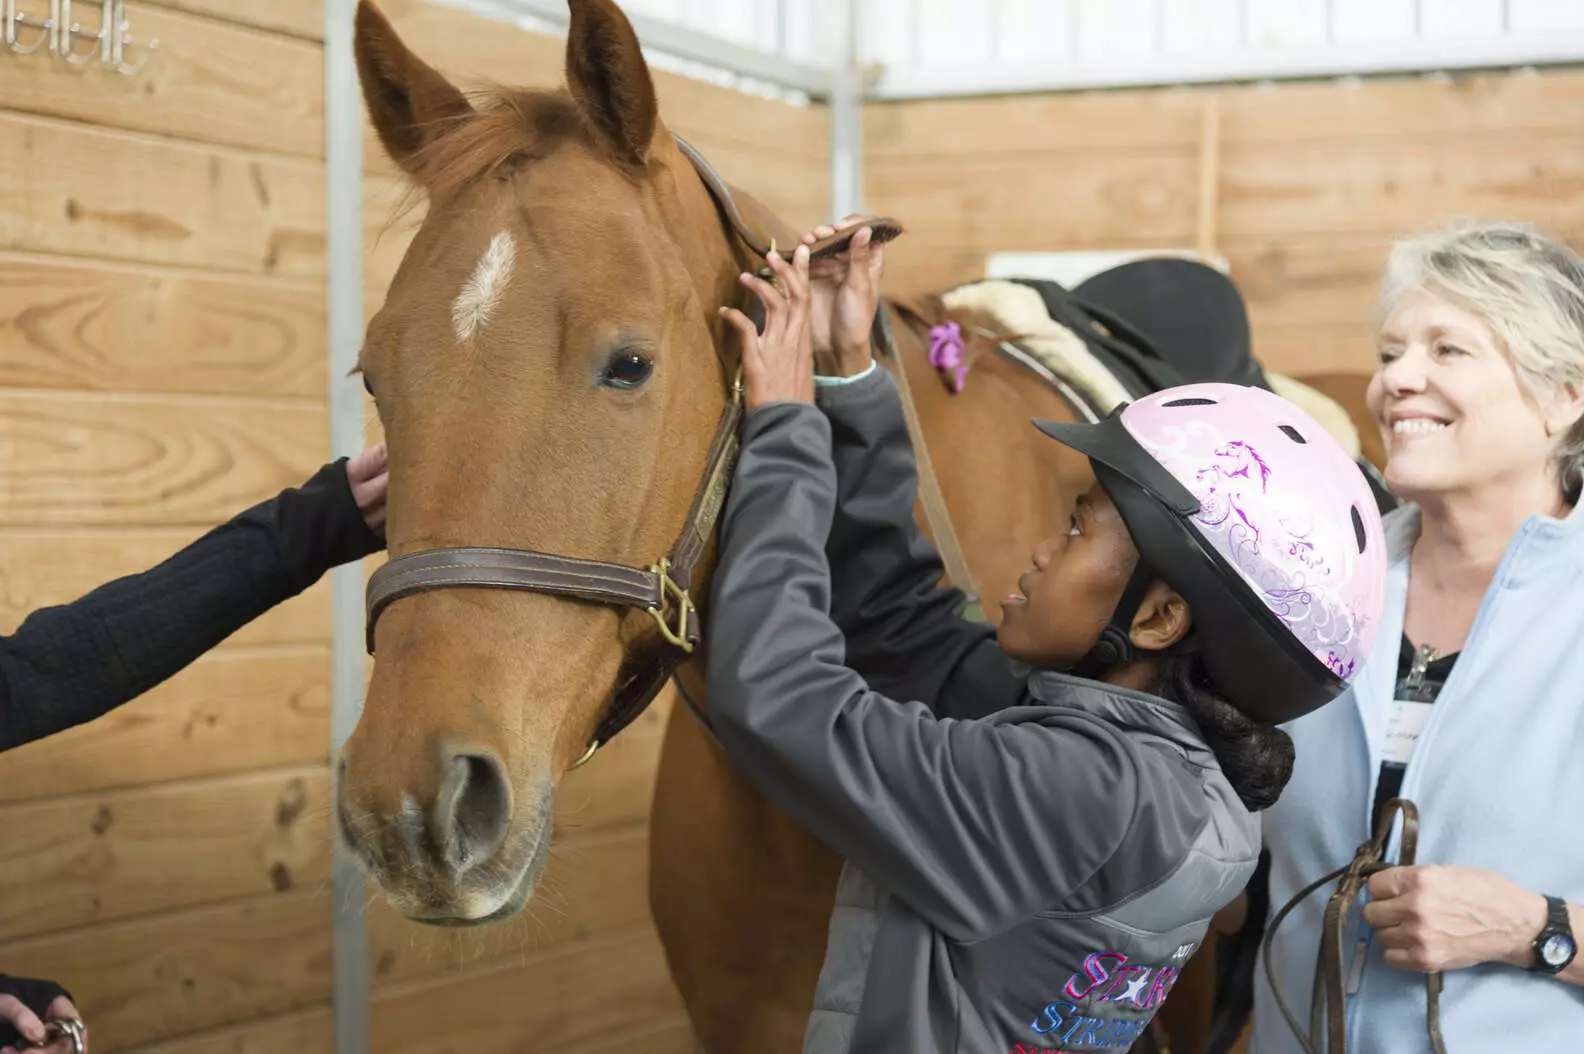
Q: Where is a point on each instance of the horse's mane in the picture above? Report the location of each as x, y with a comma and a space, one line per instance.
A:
506, 126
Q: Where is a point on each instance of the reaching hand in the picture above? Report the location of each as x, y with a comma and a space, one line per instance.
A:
368, 476
778, 365
845, 289
15, 1014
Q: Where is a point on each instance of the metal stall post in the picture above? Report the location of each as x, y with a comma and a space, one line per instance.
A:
344, 306
846, 115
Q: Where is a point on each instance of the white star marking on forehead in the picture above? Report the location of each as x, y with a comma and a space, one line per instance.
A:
482, 291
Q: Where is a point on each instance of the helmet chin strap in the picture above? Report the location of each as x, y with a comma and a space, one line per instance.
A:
1115, 646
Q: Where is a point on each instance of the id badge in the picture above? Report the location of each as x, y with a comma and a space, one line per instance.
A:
1404, 721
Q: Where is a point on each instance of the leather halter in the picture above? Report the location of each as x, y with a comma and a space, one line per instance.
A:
663, 588
1328, 1004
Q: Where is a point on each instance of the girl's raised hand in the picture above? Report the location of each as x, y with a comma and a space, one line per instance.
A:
778, 364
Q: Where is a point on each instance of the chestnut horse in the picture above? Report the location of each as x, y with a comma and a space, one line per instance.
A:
550, 372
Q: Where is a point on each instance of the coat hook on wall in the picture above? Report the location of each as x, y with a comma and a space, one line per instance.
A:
120, 40
70, 33
111, 45
18, 22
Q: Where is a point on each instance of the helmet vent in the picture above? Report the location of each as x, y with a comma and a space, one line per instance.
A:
1358, 527
1293, 433
1191, 402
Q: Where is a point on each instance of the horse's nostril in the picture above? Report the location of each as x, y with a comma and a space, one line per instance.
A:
474, 809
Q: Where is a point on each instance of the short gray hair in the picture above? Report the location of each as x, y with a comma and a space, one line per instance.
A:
1528, 288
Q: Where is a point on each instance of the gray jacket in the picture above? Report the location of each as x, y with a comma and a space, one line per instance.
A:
1031, 859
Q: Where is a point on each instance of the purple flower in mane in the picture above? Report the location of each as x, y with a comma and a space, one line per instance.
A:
946, 351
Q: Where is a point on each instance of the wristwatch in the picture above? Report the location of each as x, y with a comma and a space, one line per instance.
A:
1555, 947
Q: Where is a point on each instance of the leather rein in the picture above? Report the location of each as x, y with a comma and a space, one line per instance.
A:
936, 514
662, 589
1328, 1003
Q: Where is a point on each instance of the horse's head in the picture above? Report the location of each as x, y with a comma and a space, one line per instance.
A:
546, 371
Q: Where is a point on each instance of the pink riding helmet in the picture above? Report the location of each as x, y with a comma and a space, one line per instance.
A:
1246, 506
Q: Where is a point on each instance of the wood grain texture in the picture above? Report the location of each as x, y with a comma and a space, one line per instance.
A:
232, 710
1292, 281
1386, 187
301, 1032
71, 324
73, 459
40, 568
1407, 107
1299, 350
158, 978
1042, 201
93, 858
208, 81
1018, 125
167, 203
591, 889
602, 991
302, 18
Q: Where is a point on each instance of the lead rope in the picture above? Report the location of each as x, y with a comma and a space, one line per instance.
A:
1328, 1001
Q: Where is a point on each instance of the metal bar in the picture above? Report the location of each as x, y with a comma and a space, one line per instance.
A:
1356, 59
679, 42
846, 117
344, 301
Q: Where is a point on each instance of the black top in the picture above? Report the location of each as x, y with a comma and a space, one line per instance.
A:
1420, 686
69, 664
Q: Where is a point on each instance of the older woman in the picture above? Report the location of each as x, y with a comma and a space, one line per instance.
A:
1478, 716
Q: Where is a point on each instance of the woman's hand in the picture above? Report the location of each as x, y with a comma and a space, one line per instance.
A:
1436, 917
15, 1013
845, 289
368, 476
778, 365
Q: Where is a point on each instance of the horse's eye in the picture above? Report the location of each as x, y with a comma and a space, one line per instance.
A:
626, 369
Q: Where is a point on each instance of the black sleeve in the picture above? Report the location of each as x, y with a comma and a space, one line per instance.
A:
904, 631
69, 664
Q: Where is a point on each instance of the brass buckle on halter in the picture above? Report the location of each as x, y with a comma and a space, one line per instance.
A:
684, 608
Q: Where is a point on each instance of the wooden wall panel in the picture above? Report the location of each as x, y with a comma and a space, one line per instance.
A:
85, 325
168, 203
73, 459
300, 1032
162, 367
237, 709
970, 177
92, 858
164, 976
302, 18
602, 991
1313, 182
209, 81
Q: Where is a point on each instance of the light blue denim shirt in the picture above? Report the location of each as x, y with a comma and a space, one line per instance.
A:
1498, 779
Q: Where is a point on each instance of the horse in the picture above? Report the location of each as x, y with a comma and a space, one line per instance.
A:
553, 381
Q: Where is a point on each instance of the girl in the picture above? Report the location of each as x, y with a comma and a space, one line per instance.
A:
1033, 855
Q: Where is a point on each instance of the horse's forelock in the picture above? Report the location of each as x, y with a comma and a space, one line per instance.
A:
505, 127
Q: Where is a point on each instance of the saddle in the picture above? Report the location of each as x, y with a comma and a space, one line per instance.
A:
1328, 1003
1140, 327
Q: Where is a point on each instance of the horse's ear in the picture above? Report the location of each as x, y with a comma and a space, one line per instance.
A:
409, 102
610, 80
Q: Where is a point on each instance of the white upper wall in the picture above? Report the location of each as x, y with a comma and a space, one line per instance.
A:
929, 46
922, 47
